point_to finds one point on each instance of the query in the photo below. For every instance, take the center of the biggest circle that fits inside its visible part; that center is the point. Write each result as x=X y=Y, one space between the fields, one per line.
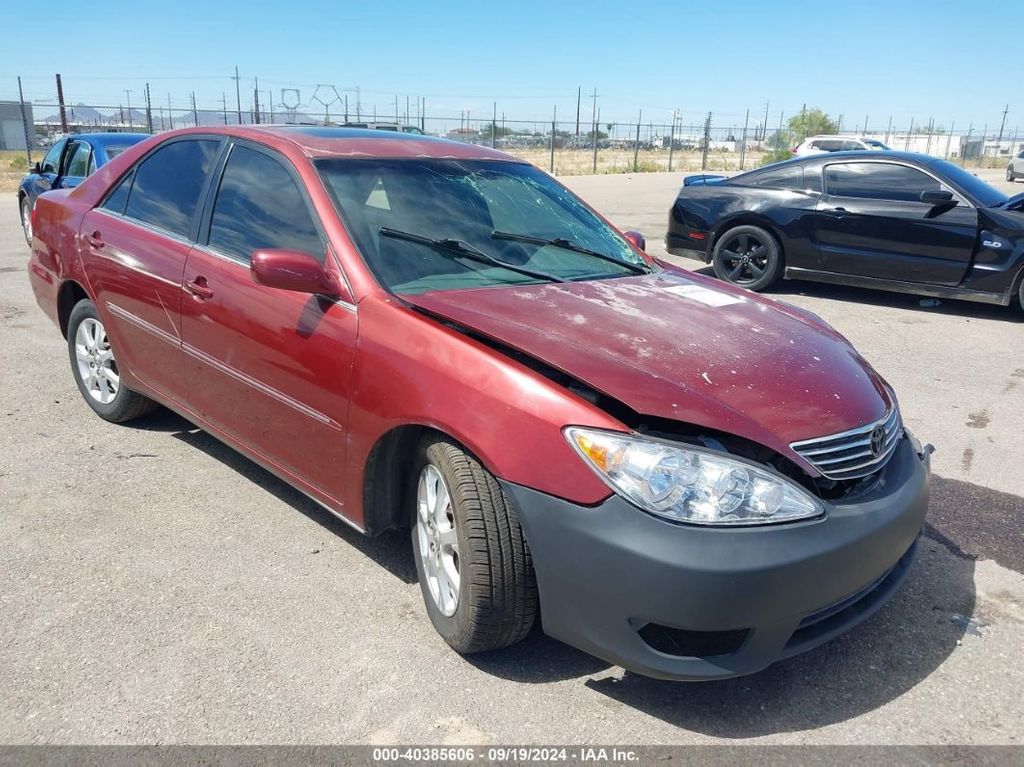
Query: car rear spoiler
x=702 y=179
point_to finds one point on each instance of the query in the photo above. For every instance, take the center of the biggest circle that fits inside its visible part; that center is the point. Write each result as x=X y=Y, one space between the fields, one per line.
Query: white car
x=818 y=144
x=1015 y=169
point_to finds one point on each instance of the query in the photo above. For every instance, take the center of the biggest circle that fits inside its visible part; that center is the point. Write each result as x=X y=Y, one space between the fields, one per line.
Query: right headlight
x=690 y=484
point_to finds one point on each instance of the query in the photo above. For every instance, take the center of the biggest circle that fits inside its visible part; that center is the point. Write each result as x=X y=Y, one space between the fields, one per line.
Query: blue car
x=66 y=164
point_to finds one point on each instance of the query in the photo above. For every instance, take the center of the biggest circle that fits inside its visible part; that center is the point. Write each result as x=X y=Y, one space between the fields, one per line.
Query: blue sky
x=860 y=58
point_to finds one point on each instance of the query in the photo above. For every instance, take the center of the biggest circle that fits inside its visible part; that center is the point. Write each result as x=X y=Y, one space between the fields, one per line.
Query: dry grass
x=13 y=167
x=578 y=162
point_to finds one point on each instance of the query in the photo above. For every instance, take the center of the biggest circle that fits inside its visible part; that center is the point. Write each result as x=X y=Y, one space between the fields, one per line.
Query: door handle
x=95 y=240
x=839 y=212
x=199 y=289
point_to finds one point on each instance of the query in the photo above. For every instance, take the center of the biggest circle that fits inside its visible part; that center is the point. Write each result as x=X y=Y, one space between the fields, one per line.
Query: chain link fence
x=564 y=147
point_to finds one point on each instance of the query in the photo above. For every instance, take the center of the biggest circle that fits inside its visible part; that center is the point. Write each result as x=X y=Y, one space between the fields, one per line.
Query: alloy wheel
x=746 y=258
x=97 y=368
x=438 y=539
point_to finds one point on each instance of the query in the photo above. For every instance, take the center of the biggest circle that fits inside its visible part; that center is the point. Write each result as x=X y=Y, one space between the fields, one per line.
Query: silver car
x=1015 y=169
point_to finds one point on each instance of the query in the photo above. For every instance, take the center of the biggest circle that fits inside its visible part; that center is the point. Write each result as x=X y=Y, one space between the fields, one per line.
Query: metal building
x=12 y=130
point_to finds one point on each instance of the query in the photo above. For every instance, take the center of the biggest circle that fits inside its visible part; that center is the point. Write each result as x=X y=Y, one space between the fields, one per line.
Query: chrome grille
x=850 y=454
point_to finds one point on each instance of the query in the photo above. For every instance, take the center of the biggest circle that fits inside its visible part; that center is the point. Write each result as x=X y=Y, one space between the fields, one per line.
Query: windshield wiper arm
x=562 y=242
x=448 y=245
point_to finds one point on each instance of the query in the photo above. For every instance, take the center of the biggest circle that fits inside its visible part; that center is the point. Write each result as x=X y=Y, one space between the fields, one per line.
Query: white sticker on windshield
x=705 y=295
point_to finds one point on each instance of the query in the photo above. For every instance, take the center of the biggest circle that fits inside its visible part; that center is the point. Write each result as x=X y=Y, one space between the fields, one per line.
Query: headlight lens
x=690 y=484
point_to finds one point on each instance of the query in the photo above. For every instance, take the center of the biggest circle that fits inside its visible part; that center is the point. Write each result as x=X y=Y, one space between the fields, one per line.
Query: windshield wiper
x=448 y=245
x=562 y=242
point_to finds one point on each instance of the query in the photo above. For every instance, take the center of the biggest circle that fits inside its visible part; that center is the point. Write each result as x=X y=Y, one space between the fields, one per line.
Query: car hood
x=684 y=347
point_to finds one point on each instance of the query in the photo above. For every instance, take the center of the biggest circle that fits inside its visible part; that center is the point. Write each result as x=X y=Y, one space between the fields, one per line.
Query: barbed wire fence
x=564 y=147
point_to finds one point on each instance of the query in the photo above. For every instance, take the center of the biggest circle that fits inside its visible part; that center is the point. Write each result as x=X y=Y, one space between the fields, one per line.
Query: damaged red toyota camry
x=680 y=477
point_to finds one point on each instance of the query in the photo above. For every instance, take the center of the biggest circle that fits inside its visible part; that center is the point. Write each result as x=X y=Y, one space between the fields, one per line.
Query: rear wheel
x=96 y=371
x=473 y=563
x=26 y=219
x=748 y=256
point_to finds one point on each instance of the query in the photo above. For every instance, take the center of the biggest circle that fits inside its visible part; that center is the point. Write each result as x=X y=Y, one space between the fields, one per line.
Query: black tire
x=126 y=405
x=1010 y=175
x=25 y=209
x=748 y=256
x=497 y=599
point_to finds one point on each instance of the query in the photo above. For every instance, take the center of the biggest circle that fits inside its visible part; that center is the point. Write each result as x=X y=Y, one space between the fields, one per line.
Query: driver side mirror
x=295 y=271
x=637 y=240
x=37 y=168
x=937 y=197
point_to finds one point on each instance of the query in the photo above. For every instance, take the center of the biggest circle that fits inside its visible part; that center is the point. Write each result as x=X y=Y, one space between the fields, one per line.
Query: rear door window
x=169 y=184
x=878 y=181
x=259 y=205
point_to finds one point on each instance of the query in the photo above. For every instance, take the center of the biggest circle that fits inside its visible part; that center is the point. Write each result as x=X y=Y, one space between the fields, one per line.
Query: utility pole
x=494 y=123
x=636 y=144
x=554 y=121
x=149 y=111
x=743 y=146
x=359 y=106
x=764 y=130
x=170 y=114
x=888 y=130
x=195 y=114
x=949 y=137
x=579 y=95
x=967 y=143
x=238 y=96
x=24 y=123
x=60 y=102
x=597 y=123
x=865 y=131
x=128 y=94
x=999 y=141
x=707 y=142
x=256 y=100
x=224 y=105
x=672 y=138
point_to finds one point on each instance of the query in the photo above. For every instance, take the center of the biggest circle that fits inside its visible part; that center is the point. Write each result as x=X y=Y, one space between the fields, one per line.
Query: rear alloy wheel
x=747 y=256
x=472 y=560
x=26 y=220
x=96 y=371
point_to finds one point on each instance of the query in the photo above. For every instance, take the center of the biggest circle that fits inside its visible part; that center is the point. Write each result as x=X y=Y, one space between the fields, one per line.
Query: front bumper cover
x=606 y=572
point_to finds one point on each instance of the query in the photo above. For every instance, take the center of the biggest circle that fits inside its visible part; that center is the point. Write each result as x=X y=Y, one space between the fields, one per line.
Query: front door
x=871 y=222
x=268 y=367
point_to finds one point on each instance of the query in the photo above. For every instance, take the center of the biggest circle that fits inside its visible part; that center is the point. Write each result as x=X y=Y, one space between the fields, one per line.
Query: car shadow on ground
x=392 y=550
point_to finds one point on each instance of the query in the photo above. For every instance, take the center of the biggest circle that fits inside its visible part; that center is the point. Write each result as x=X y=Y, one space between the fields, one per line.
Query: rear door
x=871 y=222
x=137 y=242
x=268 y=367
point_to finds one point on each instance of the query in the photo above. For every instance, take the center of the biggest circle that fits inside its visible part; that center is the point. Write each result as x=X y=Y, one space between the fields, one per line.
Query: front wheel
x=96 y=371
x=473 y=563
x=747 y=256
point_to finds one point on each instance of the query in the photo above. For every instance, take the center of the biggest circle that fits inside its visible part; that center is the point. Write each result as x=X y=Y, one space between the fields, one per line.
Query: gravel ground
x=156 y=587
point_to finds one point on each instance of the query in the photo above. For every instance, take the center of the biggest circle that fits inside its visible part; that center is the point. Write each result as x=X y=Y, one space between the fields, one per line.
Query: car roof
x=318 y=141
x=106 y=139
x=852 y=154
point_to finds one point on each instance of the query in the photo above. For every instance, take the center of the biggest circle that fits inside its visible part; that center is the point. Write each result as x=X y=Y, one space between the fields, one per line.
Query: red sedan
x=678 y=476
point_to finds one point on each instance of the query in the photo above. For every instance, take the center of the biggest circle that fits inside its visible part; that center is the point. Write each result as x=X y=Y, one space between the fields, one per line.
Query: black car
x=888 y=220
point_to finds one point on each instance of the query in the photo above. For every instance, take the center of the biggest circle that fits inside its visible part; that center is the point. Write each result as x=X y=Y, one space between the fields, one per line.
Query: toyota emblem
x=877 y=441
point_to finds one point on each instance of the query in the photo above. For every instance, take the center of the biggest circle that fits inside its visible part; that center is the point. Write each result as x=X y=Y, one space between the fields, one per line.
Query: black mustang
x=888 y=220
